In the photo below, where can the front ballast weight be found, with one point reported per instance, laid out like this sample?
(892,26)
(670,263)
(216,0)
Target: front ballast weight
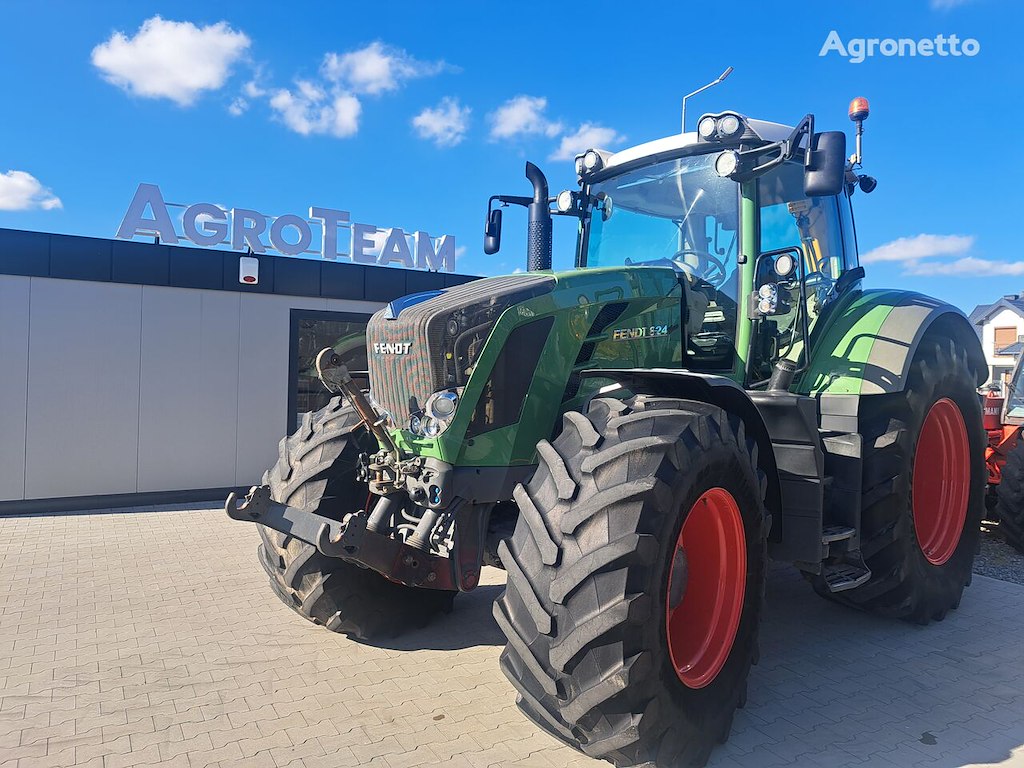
(353,540)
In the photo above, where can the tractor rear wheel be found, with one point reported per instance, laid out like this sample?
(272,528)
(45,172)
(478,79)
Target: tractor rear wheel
(316,470)
(1009,509)
(923,488)
(635,580)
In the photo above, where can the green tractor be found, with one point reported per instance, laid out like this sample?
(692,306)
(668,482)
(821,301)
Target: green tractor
(633,439)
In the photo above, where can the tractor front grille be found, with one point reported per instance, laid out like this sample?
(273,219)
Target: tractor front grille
(407,344)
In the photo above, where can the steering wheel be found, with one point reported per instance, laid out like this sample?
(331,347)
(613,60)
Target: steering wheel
(716,272)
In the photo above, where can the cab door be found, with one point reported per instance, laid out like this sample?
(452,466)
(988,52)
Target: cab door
(813,228)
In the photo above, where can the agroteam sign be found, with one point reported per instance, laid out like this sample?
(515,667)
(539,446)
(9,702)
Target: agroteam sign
(328,233)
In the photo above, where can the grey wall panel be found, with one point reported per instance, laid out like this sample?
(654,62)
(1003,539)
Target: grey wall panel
(83,398)
(109,388)
(14,303)
(263,379)
(188,383)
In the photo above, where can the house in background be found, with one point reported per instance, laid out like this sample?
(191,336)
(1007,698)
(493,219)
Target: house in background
(1000,326)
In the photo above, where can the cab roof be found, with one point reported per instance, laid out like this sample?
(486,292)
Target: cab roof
(767,131)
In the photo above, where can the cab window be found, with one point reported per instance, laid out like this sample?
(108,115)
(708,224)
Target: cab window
(811,226)
(849,231)
(788,219)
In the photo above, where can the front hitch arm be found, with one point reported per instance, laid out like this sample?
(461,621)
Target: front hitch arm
(335,377)
(257,507)
(352,541)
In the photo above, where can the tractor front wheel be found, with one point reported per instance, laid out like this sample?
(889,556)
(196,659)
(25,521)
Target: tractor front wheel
(316,470)
(635,580)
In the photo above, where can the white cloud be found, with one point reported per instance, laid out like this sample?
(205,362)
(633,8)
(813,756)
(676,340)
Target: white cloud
(309,109)
(173,60)
(522,115)
(932,255)
(445,124)
(913,249)
(251,90)
(968,266)
(587,136)
(376,68)
(21,191)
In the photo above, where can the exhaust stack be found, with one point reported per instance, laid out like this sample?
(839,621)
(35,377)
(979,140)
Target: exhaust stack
(538,234)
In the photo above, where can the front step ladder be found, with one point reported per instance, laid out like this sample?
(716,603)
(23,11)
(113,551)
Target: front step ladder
(834,533)
(851,571)
(842,576)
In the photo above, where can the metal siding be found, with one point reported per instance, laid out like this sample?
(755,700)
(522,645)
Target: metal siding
(24,253)
(188,381)
(83,397)
(143,263)
(262,402)
(114,389)
(14,304)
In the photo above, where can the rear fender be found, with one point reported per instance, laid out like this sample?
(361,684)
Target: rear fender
(867,345)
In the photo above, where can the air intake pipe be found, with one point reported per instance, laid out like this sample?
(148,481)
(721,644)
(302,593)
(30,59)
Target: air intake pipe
(538,234)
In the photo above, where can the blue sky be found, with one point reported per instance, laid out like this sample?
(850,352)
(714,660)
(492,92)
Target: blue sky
(412,114)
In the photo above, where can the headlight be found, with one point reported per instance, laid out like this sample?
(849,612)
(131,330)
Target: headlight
(564,201)
(706,127)
(768,299)
(592,161)
(727,163)
(729,126)
(441,405)
(725,126)
(437,414)
(784,264)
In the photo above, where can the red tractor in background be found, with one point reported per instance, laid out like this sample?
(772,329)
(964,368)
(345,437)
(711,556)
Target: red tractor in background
(1004,419)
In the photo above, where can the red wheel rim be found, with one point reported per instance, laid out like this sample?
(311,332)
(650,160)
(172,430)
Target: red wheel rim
(701,628)
(942,481)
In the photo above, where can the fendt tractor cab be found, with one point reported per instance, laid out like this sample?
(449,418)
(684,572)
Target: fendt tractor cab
(633,438)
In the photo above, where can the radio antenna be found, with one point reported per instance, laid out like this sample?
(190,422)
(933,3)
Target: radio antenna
(721,77)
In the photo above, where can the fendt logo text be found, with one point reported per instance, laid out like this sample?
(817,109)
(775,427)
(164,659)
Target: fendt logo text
(391,348)
(858,49)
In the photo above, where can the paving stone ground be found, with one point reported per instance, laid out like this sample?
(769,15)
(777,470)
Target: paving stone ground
(150,637)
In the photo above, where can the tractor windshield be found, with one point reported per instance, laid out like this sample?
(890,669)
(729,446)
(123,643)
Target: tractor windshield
(677,213)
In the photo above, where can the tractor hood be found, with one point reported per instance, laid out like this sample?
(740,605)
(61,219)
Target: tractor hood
(429,342)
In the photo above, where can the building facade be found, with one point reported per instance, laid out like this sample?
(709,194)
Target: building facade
(1000,326)
(142,373)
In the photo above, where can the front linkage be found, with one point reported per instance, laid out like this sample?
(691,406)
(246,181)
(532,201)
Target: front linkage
(363,538)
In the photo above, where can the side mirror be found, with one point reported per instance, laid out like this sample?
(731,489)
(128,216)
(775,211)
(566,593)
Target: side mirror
(492,232)
(825,170)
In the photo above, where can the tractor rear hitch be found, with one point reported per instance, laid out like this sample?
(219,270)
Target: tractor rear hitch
(352,540)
